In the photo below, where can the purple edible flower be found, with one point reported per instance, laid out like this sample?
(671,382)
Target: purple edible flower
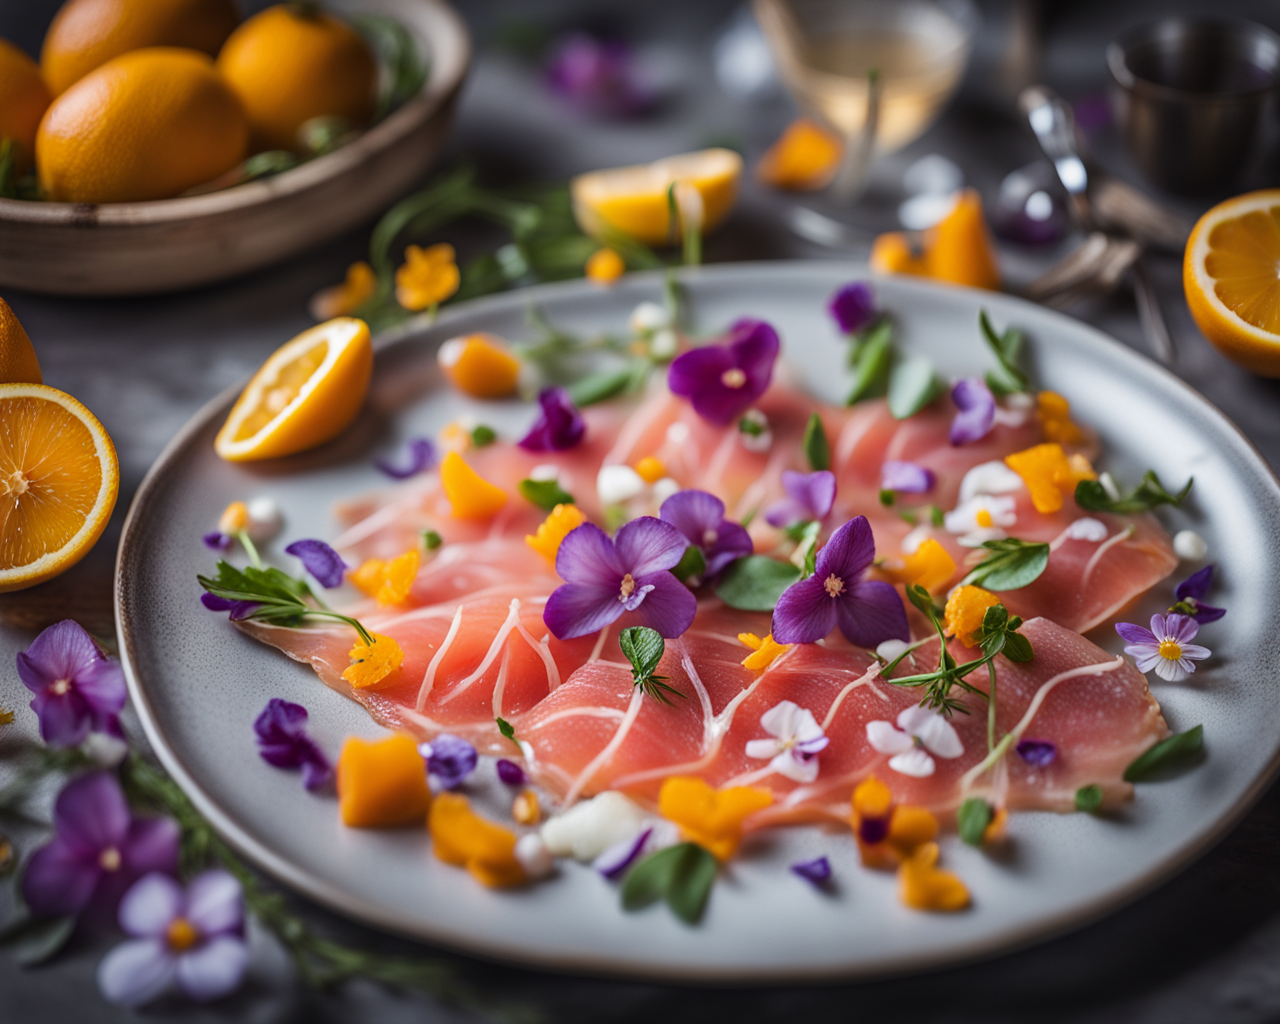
(97,850)
(617,858)
(598,76)
(239,609)
(816,871)
(906,477)
(868,612)
(217,541)
(699,516)
(722,381)
(78,690)
(511,773)
(283,742)
(975,411)
(194,938)
(559,425)
(325,564)
(1039,753)
(853,307)
(1192,589)
(450,759)
(809,497)
(631,573)
(1165,647)
(422,455)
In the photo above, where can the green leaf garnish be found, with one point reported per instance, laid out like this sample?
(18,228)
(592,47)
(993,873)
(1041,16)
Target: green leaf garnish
(751,427)
(431,540)
(1089,798)
(936,516)
(508,731)
(913,384)
(1165,753)
(644,647)
(815,446)
(483,435)
(887,497)
(1092,496)
(692,564)
(599,386)
(871,359)
(546,494)
(754,583)
(1007,378)
(281,599)
(999,635)
(1012,564)
(682,874)
(974,816)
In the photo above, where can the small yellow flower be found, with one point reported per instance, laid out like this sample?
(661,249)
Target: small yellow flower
(965,611)
(554,529)
(1054,412)
(372,663)
(763,651)
(427,277)
(651,469)
(344,299)
(1050,474)
(235,517)
(930,565)
(388,580)
(604,266)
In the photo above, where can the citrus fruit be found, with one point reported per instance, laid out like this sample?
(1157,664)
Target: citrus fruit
(86,34)
(148,125)
(289,64)
(58,483)
(306,393)
(633,200)
(1231,274)
(18,363)
(24,97)
(805,158)
(958,248)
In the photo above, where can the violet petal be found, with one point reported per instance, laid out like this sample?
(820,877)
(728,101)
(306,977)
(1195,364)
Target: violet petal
(325,564)
(805,613)
(150,905)
(1136,634)
(136,972)
(1196,585)
(1039,753)
(450,759)
(215,903)
(849,553)
(578,609)
(511,773)
(648,545)
(873,830)
(723,381)
(669,607)
(216,541)
(213,969)
(598,76)
(559,425)
(587,555)
(284,743)
(815,871)
(871,614)
(58,881)
(618,857)
(1206,612)
(853,307)
(422,455)
(906,477)
(809,496)
(976,411)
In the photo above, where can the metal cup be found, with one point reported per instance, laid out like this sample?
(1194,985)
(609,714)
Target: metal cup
(1196,98)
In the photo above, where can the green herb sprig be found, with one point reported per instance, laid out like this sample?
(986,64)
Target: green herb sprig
(546,494)
(280,599)
(1092,496)
(644,648)
(1012,564)
(1007,378)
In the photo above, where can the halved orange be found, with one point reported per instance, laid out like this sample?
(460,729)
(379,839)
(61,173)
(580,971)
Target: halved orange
(59,478)
(1231,275)
(305,394)
(18,363)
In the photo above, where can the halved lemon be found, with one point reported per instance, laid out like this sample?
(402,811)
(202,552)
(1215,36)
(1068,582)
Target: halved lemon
(633,200)
(1231,275)
(59,478)
(305,394)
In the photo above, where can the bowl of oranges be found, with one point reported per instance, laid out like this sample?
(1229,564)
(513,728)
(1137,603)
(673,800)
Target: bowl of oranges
(168,144)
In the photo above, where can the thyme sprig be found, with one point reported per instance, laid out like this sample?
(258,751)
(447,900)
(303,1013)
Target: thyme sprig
(276,597)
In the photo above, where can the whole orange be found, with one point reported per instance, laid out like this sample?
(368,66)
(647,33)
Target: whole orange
(85,34)
(147,125)
(289,64)
(24,97)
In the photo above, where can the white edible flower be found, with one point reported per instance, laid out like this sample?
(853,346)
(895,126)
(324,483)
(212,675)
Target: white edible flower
(982,518)
(104,750)
(797,739)
(664,489)
(534,857)
(918,734)
(1088,528)
(664,343)
(618,484)
(1189,546)
(589,828)
(648,317)
(678,433)
(265,519)
(989,478)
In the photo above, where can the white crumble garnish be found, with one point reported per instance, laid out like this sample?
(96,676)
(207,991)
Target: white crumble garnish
(1189,546)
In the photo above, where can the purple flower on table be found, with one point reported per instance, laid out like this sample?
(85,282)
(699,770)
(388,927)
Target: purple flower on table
(239,610)
(868,612)
(853,307)
(699,517)
(809,498)
(1189,593)
(450,759)
(906,477)
(193,938)
(216,541)
(598,76)
(975,411)
(722,381)
(97,850)
(284,743)
(77,688)
(325,564)
(511,773)
(559,425)
(815,871)
(1037,753)
(422,455)
(1166,647)
(631,573)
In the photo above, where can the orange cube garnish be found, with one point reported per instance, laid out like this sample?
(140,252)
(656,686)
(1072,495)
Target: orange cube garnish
(382,782)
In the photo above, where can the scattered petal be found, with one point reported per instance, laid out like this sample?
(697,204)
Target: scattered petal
(325,564)
(422,456)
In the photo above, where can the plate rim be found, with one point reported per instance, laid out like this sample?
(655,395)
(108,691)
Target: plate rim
(335,898)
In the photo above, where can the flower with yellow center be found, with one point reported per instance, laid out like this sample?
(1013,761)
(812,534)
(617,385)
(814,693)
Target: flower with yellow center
(427,277)
(388,580)
(345,298)
(371,663)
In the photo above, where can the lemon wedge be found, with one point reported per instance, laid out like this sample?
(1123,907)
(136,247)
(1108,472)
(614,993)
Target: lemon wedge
(305,394)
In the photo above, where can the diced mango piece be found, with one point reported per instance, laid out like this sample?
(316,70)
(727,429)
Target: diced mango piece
(805,157)
(958,249)
(382,782)
(712,818)
(470,495)
(922,885)
(464,839)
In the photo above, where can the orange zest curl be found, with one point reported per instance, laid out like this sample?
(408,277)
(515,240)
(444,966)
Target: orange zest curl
(427,277)
(804,158)
(1050,475)
(554,529)
(345,298)
(382,782)
(712,818)
(1054,413)
(604,266)
(887,833)
(922,885)
(930,566)
(763,651)
(372,663)
(464,839)
(470,495)
(965,611)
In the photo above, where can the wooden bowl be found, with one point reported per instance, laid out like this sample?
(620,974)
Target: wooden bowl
(141,248)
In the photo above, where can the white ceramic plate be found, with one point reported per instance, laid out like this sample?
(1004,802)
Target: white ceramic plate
(198,683)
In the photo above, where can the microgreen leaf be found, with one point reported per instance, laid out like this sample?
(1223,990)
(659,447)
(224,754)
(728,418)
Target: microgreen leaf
(913,384)
(923,601)
(1092,496)
(1165,753)
(972,819)
(751,427)
(276,596)
(887,497)
(508,731)
(682,874)
(1017,647)
(815,446)
(1012,564)
(754,583)
(546,494)
(1089,798)
(692,564)
(644,647)
(431,540)
(1007,378)
(871,362)
(483,435)
(650,880)
(936,516)
(599,386)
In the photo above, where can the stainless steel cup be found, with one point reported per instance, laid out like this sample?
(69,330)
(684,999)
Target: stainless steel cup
(1196,98)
